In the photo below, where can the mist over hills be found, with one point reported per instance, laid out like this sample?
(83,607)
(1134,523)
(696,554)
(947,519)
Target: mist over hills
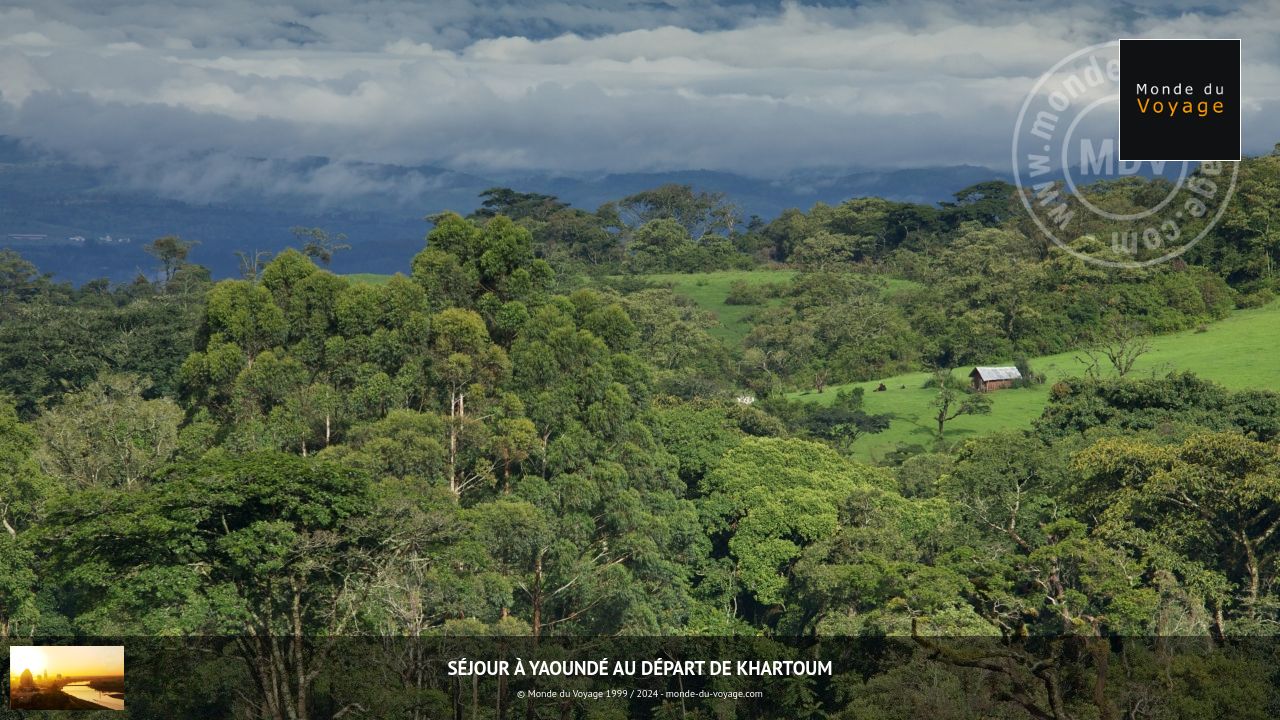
(83,221)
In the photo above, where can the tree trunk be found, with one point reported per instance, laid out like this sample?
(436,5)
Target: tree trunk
(1100,648)
(457,412)
(300,671)
(1251,567)
(536,599)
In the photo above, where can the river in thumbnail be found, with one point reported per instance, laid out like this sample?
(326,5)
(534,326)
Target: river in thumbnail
(84,692)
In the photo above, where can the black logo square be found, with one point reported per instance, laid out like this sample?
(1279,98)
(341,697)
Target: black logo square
(1179,99)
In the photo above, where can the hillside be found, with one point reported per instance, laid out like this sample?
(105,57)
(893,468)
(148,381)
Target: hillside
(710,289)
(1238,352)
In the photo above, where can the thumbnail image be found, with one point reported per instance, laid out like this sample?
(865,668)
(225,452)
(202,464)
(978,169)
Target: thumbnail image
(66,677)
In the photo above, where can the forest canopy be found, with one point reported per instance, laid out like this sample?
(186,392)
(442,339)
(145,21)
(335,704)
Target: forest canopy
(528,435)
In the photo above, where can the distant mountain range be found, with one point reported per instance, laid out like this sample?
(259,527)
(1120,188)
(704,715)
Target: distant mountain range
(82,221)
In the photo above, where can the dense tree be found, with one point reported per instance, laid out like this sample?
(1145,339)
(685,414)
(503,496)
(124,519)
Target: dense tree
(1210,502)
(466,363)
(109,435)
(844,421)
(465,265)
(171,251)
(489,448)
(517,205)
(1167,403)
(19,475)
(1245,244)
(987,202)
(767,499)
(19,279)
(23,493)
(58,340)
(697,212)
(264,547)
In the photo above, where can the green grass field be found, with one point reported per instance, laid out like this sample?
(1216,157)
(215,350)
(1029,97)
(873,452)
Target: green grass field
(709,290)
(1238,352)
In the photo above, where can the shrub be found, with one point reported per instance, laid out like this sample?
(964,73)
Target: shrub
(1030,378)
(1255,299)
(743,293)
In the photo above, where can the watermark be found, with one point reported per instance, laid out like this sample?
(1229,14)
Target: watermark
(1065,139)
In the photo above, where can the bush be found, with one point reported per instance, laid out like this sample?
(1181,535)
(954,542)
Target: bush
(1255,299)
(1030,378)
(743,293)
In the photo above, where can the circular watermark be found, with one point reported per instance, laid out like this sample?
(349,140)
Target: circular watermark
(1066,138)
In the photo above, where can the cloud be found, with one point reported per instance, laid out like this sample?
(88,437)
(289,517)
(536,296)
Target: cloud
(756,88)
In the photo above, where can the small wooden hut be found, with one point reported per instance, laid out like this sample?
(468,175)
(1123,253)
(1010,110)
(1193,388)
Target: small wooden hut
(986,379)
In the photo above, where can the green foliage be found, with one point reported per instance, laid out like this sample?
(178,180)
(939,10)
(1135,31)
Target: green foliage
(769,498)
(465,265)
(19,280)
(696,212)
(109,435)
(221,545)
(1225,352)
(709,292)
(318,244)
(244,313)
(171,251)
(1205,511)
(23,493)
(1159,403)
(741,293)
(951,401)
(517,205)
(57,339)
(491,448)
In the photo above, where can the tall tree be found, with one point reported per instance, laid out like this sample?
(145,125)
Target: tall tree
(1212,501)
(108,435)
(171,251)
(267,548)
(517,205)
(698,212)
(318,244)
(467,364)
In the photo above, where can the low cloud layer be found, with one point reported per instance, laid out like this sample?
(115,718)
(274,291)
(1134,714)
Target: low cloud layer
(754,88)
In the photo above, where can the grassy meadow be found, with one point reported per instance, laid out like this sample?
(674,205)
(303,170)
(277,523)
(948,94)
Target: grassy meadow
(1242,351)
(709,290)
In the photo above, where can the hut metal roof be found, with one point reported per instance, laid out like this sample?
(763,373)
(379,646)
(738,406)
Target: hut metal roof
(996,373)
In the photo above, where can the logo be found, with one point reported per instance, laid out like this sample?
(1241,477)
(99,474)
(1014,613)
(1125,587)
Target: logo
(1087,201)
(1180,99)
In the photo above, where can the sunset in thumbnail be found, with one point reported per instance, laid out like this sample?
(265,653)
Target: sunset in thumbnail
(60,677)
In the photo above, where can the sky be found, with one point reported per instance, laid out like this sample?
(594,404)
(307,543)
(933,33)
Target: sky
(67,660)
(758,88)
